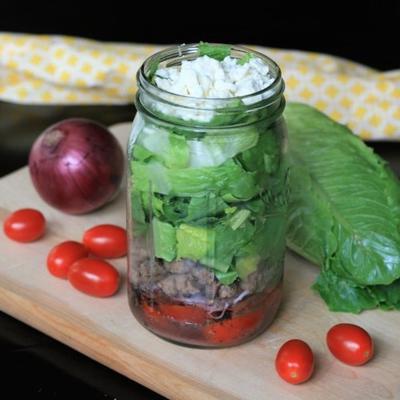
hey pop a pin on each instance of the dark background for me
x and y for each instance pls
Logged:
(39, 367)
(365, 31)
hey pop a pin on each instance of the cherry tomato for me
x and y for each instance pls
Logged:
(350, 344)
(181, 313)
(295, 361)
(231, 330)
(25, 225)
(94, 277)
(62, 256)
(108, 241)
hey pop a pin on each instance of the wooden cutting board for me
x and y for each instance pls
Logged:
(105, 330)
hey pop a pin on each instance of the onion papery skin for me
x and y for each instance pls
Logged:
(76, 165)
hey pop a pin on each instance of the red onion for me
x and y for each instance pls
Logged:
(76, 165)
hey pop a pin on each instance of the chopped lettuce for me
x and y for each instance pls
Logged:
(152, 205)
(236, 113)
(152, 70)
(208, 196)
(178, 152)
(245, 59)
(164, 239)
(228, 178)
(193, 241)
(163, 145)
(214, 246)
(265, 155)
(206, 206)
(237, 219)
(215, 149)
(268, 241)
(139, 217)
(257, 206)
(140, 153)
(175, 209)
(178, 209)
(150, 177)
(226, 278)
(227, 242)
(216, 51)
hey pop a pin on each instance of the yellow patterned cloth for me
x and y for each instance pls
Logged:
(43, 69)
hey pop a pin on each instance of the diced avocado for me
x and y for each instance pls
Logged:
(246, 265)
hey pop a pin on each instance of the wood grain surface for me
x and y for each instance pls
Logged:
(105, 330)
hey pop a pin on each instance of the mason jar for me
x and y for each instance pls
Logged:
(206, 208)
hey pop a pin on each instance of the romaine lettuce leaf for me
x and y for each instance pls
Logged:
(345, 202)
(388, 296)
(343, 295)
(344, 213)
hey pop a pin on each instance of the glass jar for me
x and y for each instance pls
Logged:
(206, 209)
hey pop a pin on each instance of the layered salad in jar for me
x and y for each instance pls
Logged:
(207, 198)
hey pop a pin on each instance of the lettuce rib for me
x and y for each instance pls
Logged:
(345, 206)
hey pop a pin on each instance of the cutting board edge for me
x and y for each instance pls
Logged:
(40, 317)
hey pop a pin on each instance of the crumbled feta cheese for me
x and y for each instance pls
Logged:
(206, 77)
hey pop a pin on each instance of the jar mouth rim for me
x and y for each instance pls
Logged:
(179, 52)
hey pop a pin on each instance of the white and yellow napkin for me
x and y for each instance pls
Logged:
(43, 69)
